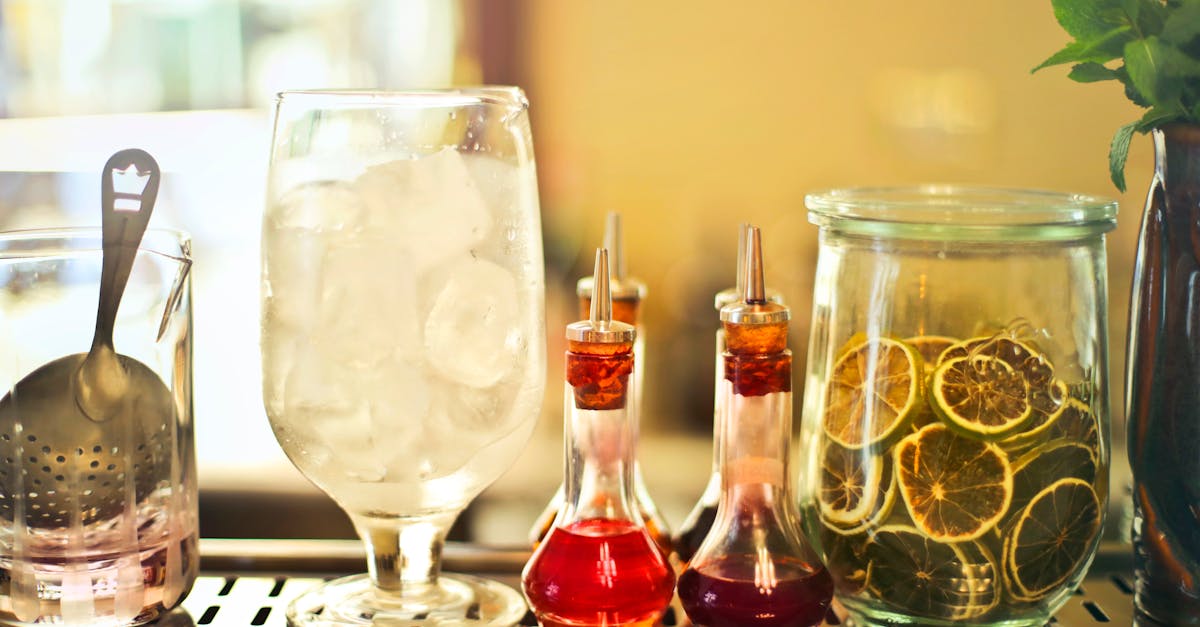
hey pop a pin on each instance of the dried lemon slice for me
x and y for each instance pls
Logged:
(980, 396)
(873, 389)
(1052, 539)
(918, 576)
(1048, 406)
(931, 347)
(955, 488)
(856, 489)
(1042, 466)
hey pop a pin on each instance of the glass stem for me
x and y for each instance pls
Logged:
(404, 554)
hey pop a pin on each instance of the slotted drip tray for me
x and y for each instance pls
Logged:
(250, 582)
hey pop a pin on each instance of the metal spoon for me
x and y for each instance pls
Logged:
(90, 430)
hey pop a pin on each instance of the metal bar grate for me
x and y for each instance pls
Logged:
(245, 594)
(261, 600)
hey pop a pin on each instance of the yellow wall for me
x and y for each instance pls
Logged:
(693, 116)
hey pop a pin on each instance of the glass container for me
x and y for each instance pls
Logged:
(627, 294)
(754, 567)
(599, 565)
(92, 533)
(403, 329)
(956, 406)
(698, 521)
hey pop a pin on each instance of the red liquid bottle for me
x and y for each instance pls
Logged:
(755, 567)
(627, 294)
(598, 565)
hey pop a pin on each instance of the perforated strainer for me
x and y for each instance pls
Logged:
(88, 436)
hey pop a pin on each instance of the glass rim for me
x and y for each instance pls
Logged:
(180, 238)
(935, 211)
(503, 95)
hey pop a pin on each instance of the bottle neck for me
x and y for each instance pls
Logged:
(627, 309)
(600, 439)
(1179, 155)
(755, 434)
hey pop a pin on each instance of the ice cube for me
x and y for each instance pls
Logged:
(473, 327)
(368, 308)
(399, 399)
(451, 438)
(431, 206)
(321, 206)
(291, 277)
(313, 380)
(321, 407)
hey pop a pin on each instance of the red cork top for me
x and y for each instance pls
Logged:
(600, 350)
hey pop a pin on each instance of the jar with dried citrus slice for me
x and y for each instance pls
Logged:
(955, 413)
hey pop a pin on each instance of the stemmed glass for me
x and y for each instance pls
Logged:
(403, 328)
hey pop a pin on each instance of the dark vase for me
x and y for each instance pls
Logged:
(1163, 386)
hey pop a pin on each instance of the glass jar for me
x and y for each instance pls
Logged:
(955, 424)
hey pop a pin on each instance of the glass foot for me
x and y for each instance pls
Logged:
(456, 600)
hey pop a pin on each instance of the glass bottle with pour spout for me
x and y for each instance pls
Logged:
(697, 523)
(598, 564)
(627, 294)
(755, 567)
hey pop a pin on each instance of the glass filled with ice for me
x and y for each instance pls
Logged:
(403, 328)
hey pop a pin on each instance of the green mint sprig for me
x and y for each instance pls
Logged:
(1156, 47)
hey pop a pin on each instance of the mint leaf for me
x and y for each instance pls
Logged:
(1148, 15)
(1145, 60)
(1131, 92)
(1088, 19)
(1118, 152)
(1183, 24)
(1091, 73)
(1101, 49)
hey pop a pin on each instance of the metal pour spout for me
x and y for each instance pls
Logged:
(754, 290)
(601, 315)
(753, 306)
(600, 328)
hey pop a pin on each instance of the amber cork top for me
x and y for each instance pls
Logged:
(600, 349)
(757, 359)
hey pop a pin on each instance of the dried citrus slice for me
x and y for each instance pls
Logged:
(931, 347)
(844, 560)
(954, 487)
(981, 396)
(1077, 424)
(1020, 355)
(1048, 405)
(917, 576)
(1053, 538)
(873, 389)
(1044, 465)
(856, 488)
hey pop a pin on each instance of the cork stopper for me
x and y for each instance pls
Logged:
(620, 284)
(600, 328)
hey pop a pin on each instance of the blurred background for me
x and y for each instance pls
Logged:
(687, 117)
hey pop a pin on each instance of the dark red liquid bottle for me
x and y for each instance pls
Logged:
(697, 523)
(598, 565)
(733, 592)
(755, 568)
